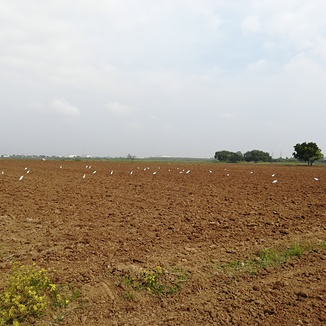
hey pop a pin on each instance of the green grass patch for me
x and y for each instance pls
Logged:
(267, 258)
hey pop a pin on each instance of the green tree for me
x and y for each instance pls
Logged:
(227, 156)
(307, 152)
(257, 156)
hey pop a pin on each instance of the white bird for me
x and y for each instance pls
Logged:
(26, 168)
(2, 172)
(21, 178)
(210, 171)
(43, 159)
(187, 171)
(228, 175)
(131, 173)
(84, 176)
(274, 181)
(94, 172)
(316, 179)
(251, 172)
(273, 175)
(154, 172)
(60, 166)
(111, 172)
(27, 171)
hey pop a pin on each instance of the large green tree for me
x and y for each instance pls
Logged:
(227, 156)
(257, 156)
(307, 152)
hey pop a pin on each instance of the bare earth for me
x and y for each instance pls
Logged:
(92, 229)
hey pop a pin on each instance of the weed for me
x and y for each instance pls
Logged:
(267, 258)
(127, 295)
(156, 282)
(76, 294)
(29, 293)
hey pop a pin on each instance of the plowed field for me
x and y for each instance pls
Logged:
(209, 221)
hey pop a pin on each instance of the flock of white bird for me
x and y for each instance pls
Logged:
(180, 171)
(138, 168)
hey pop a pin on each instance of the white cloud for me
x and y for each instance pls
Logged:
(61, 107)
(251, 24)
(260, 66)
(294, 25)
(119, 109)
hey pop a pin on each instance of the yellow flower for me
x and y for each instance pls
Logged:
(52, 287)
(22, 308)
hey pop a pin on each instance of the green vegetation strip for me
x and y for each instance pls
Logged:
(270, 258)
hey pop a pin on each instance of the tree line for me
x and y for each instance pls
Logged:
(250, 156)
(306, 152)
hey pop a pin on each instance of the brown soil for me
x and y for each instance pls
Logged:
(92, 230)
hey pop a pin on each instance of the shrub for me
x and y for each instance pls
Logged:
(157, 281)
(29, 292)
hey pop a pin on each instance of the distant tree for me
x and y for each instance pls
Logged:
(307, 152)
(227, 156)
(131, 157)
(257, 156)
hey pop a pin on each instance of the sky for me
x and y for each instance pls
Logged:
(183, 78)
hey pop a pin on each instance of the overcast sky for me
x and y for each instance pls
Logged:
(161, 77)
